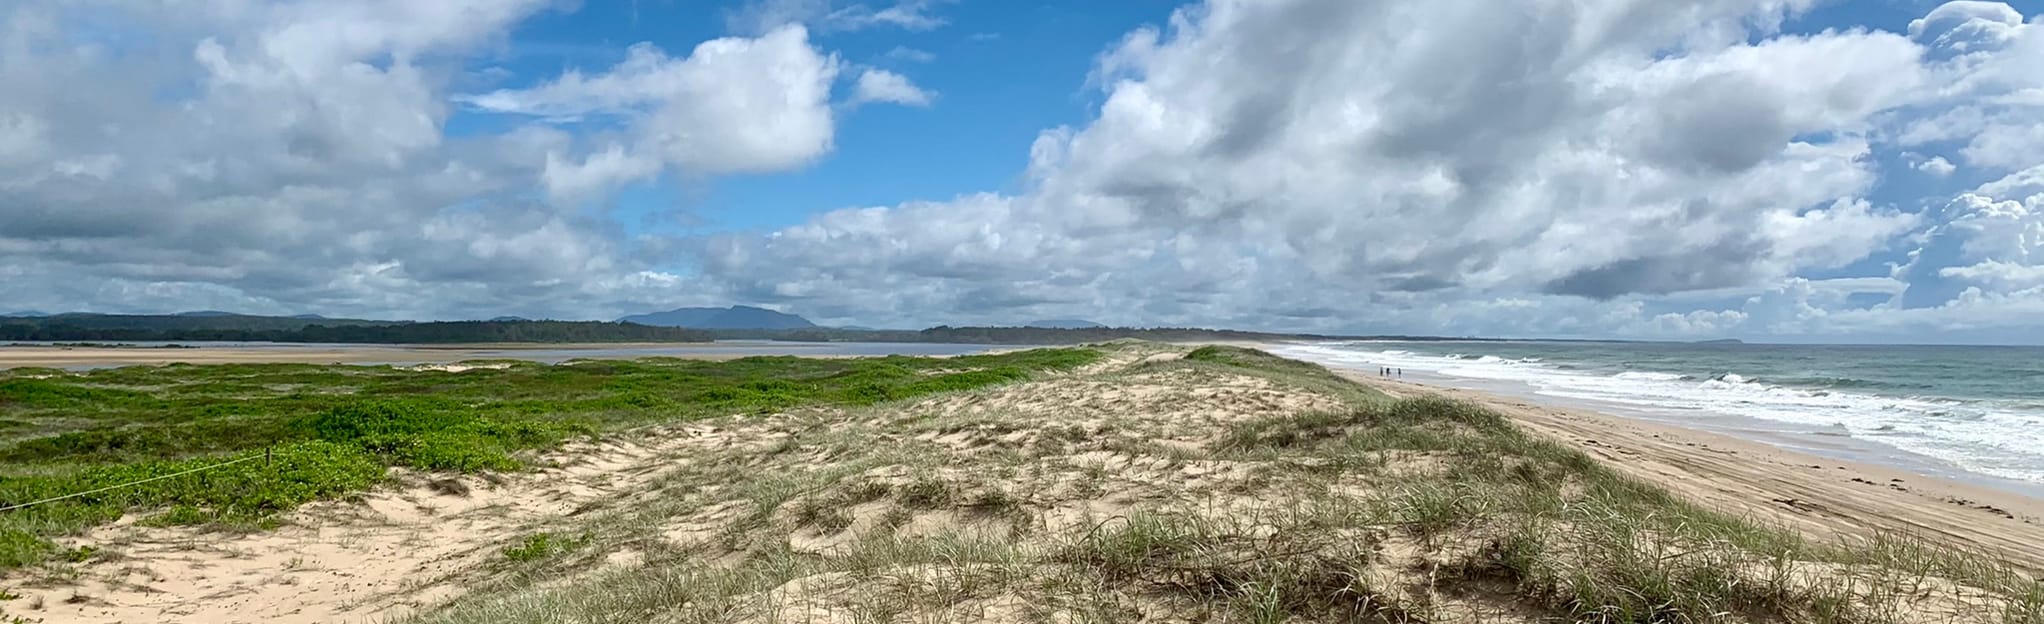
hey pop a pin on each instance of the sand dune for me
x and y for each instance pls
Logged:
(1147, 486)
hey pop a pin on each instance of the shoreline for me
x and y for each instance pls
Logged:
(1811, 437)
(1818, 495)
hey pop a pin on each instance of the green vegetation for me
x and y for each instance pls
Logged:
(1013, 335)
(1291, 373)
(292, 433)
(238, 327)
(542, 545)
(1214, 505)
(248, 329)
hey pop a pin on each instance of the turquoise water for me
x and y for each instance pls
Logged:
(1976, 409)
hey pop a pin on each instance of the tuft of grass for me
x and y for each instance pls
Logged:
(926, 492)
(543, 545)
(1290, 372)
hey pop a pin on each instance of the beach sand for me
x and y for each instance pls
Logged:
(1819, 496)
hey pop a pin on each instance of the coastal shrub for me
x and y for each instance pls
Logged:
(244, 492)
(33, 393)
(383, 418)
(437, 435)
(20, 547)
(964, 381)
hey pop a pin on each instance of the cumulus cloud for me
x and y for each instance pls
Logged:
(1937, 166)
(1611, 167)
(879, 85)
(1574, 158)
(292, 157)
(1991, 94)
(733, 105)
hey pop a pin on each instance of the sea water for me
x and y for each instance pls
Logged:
(1971, 408)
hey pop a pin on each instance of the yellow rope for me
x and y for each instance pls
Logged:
(129, 484)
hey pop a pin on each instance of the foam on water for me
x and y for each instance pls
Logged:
(1999, 438)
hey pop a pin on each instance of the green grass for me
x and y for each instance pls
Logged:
(1294, 373)
(543, 545)
(308, 431)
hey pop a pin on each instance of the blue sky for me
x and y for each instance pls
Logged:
(1003, 72)
(1792, 170)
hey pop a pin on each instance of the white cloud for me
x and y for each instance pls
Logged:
(760, 16)
(1937, 166)
(1620, 151)
(1967, 25)
(879, 85)
(1990, 92)
(1609, 167)
(292, 157)
(911, 55)
(1578, 158)
(733, 105)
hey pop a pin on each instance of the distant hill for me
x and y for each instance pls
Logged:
(734, 317)
(1064, 324)
(24, 314)
(500, 319)
(206, 314)
(309, 317)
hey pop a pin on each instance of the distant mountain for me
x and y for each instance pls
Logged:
(308, 317)
(24, 314)
(734, 317)
(1064, 324)
(500, 319)
(206, 314)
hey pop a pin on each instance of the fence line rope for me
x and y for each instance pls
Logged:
(128, 484)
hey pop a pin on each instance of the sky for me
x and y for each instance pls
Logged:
(1779, 170)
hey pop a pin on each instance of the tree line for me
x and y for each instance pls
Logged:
(439, 332)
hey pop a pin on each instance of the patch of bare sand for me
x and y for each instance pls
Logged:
(1819, 496)
(394, 550)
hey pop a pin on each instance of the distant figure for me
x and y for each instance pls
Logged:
(1401, 372)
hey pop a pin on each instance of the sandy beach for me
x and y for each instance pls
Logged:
(1817, 495)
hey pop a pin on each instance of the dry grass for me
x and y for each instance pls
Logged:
(1229, 486)
(1168, 484)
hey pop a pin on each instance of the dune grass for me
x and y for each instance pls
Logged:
(298, 432)
(1390, 511)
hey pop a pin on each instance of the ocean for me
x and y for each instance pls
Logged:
(1973, 409)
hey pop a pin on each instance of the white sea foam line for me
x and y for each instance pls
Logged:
(1993, 442)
